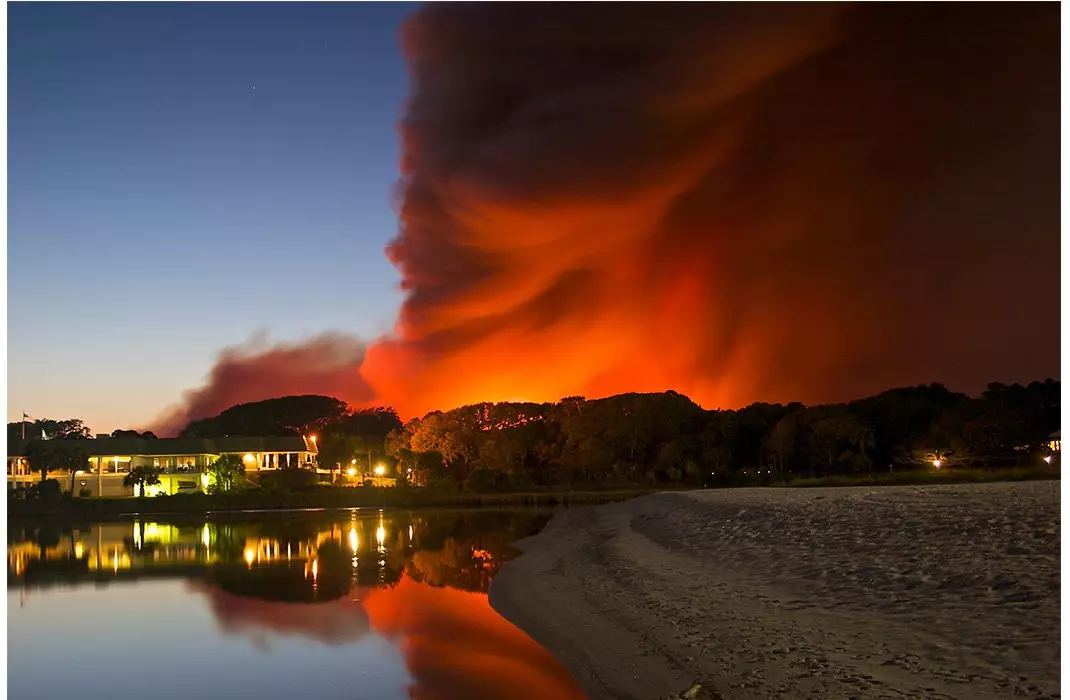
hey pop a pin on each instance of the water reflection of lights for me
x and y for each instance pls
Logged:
(143, 545)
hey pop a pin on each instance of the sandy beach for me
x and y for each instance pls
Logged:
(890, 592)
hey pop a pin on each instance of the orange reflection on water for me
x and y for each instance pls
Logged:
(456, 646)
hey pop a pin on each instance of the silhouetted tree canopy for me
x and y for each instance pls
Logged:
(133, 434)
(47, 429)
(666, 438)
(289, 415)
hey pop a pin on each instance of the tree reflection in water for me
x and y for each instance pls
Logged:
(416, 578)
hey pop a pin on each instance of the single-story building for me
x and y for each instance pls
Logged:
(183, 462)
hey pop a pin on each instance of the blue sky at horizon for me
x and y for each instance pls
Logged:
(182, 176)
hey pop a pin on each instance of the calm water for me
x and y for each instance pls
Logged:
(362, 604)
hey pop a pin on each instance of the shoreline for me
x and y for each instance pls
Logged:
(948, 591)
(202, 504)
(331, 498)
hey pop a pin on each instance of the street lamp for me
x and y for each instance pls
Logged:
(379, 470)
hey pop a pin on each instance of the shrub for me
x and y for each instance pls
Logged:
(289, 480)
(50, 491)
(517, 481)
(442, 484)
(482, 481)
(84, 492)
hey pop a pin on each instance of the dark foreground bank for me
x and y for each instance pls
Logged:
(947, 591)
(365, 497)
(372, 497)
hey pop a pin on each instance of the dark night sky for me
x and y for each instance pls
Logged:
(161, 208)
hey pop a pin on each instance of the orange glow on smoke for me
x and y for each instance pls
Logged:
(736, 201)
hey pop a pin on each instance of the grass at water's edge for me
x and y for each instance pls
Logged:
(922, 477)
(365, 497)
(370, 497)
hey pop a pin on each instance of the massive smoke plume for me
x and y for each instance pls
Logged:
(739, 202)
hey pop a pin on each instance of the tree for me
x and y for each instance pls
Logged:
(73, 457)
(225, 474)
(372, 424)
(48, 429)
(43, 457)
(337, 450)
(148, 434)
(289, 415)
(781, 442)
(141, 478)
(718, 440)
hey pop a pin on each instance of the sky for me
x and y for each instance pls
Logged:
(739, 202)
(184, 176)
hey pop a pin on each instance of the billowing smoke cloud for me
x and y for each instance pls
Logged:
(737, 201)
(328, 364)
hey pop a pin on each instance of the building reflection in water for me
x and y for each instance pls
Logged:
(417, 578)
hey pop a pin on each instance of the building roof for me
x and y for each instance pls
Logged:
(106, 447)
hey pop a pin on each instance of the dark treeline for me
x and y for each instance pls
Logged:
(46, 429)
(653, 439)
(342, 434)
(666, 438)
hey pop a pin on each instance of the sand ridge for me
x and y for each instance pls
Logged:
(870, 592)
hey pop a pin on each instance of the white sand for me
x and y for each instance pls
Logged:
(891, 592)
